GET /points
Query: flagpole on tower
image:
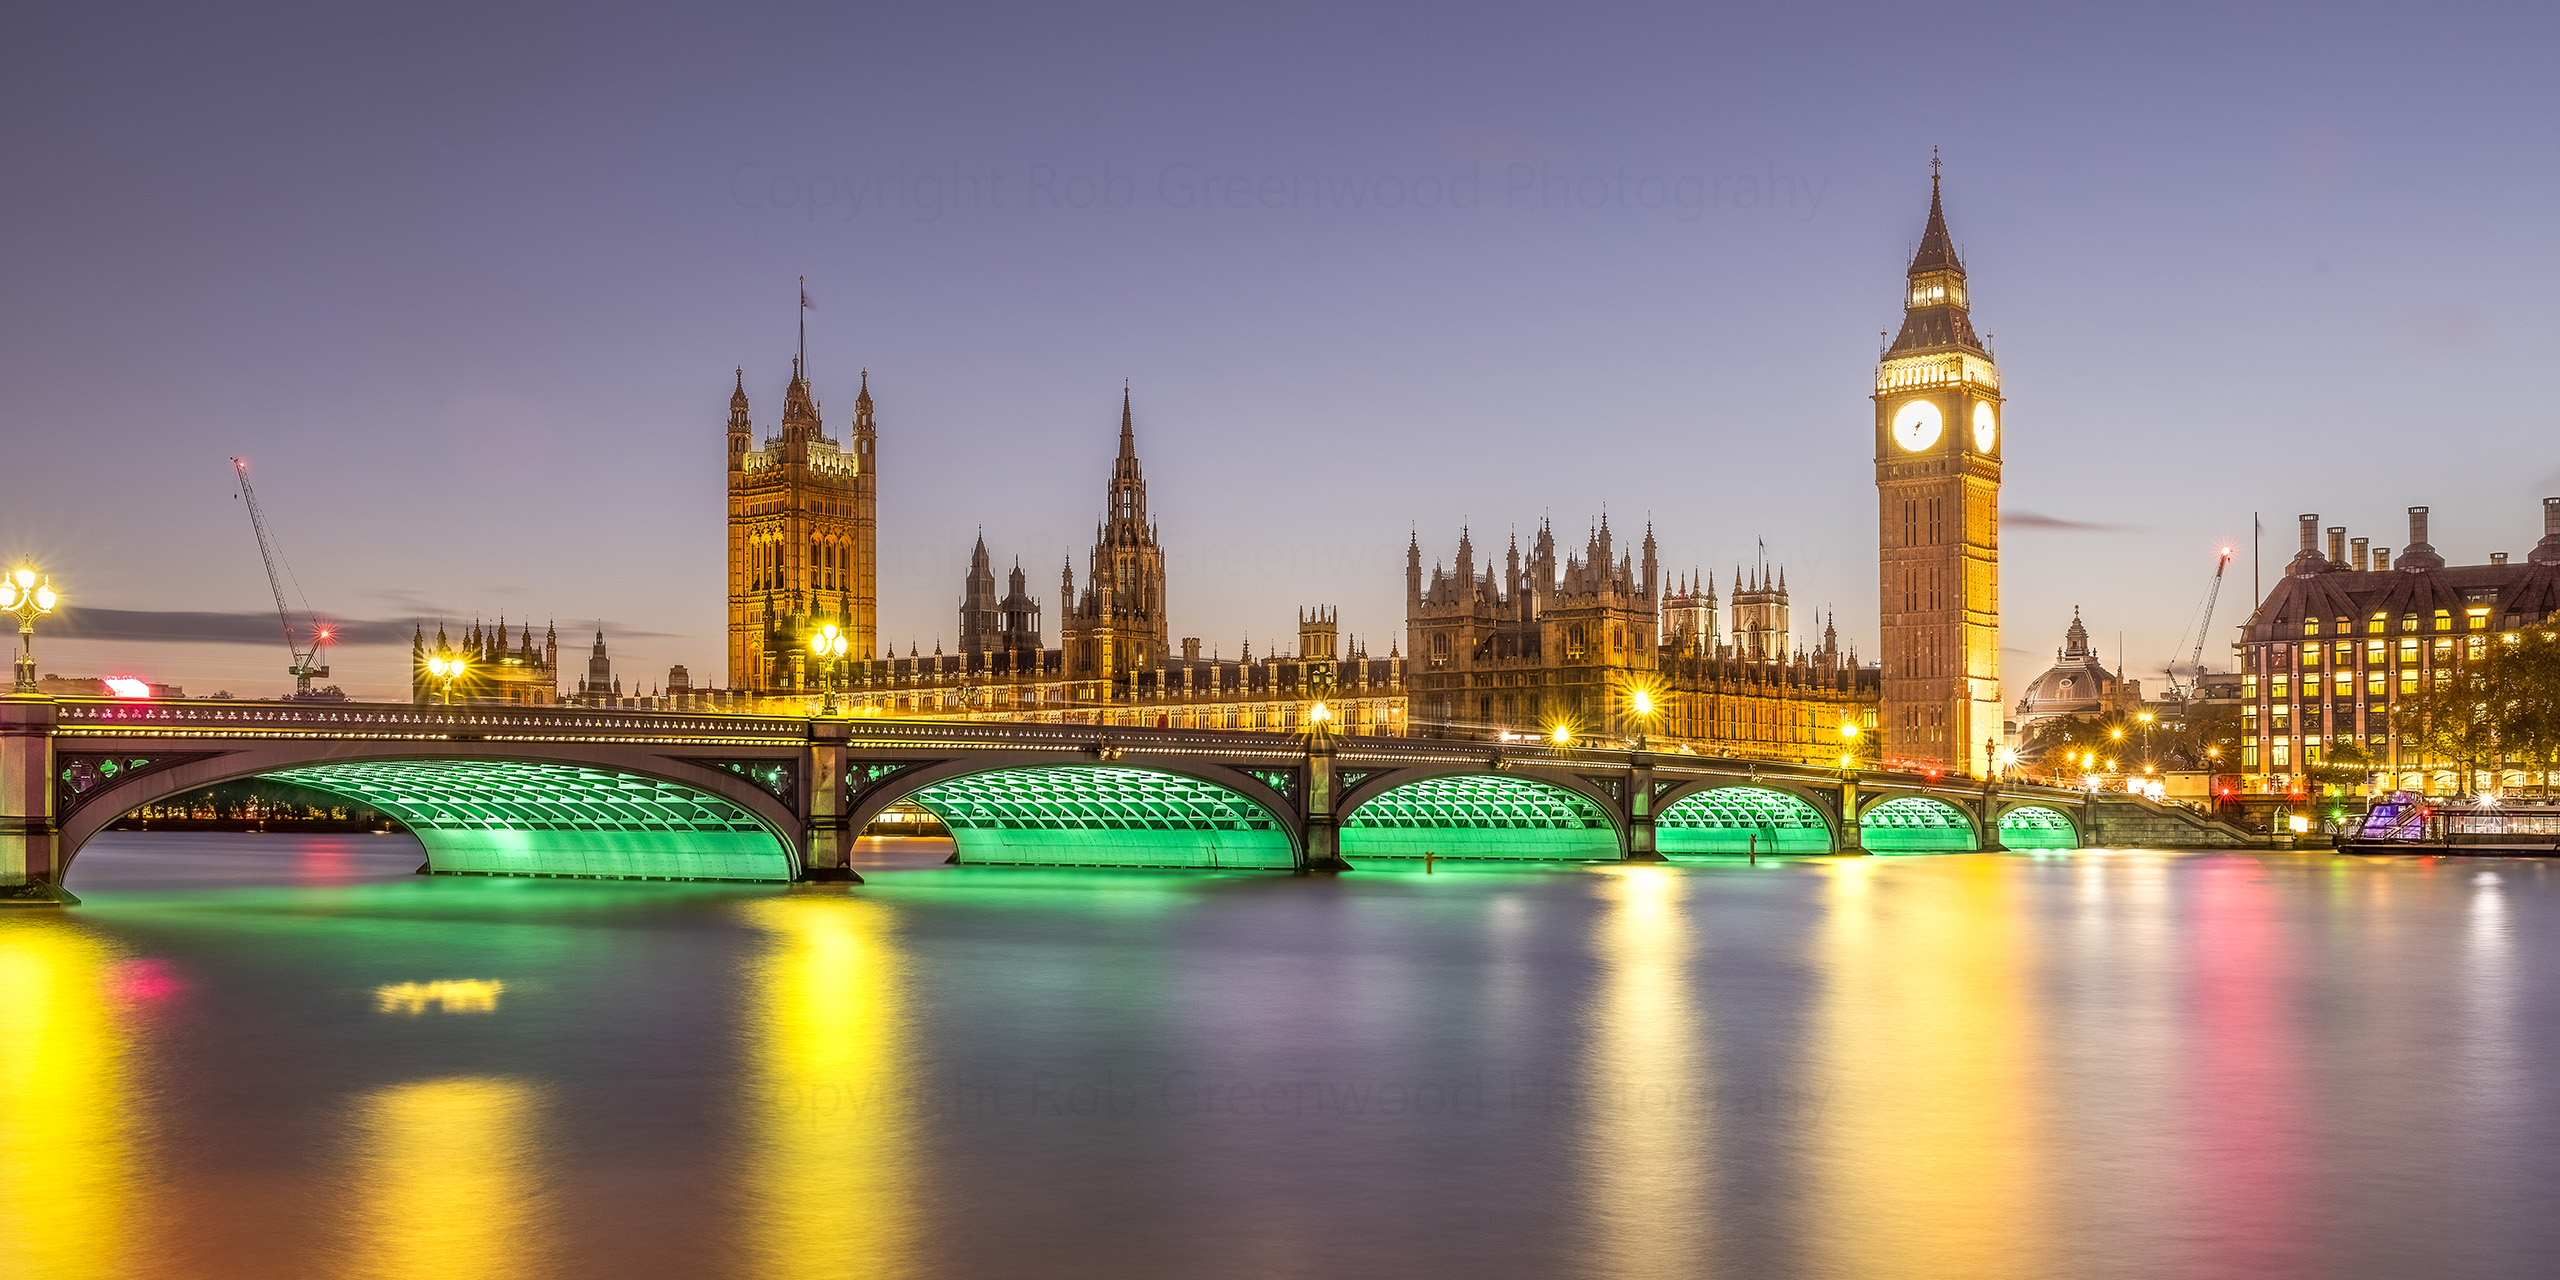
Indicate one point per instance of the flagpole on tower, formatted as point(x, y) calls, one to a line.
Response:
point(804, 326)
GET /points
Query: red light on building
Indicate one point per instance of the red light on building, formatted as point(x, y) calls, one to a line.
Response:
point(128, 687)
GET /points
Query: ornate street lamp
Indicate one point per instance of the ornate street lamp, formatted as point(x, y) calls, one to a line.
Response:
point(1641, 703)
point(447, 668)
point(829, 644)
point(1319, 723)
point(30, 596)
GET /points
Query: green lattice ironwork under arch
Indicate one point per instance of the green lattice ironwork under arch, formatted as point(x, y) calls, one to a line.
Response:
point(504, 817)
point(1915, 824)
point(1480, 816)
point(1741, 820)
point(2035, 826)
point(1098, 816)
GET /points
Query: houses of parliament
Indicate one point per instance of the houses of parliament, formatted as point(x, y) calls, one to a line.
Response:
point(1595, 643)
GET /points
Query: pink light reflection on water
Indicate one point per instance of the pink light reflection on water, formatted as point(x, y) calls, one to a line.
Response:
point(144, 981)
point(2249, 1170)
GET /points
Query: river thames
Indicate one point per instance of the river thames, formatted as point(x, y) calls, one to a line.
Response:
point(268, 1055)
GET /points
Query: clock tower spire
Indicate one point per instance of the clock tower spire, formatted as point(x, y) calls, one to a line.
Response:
point(1938, 439)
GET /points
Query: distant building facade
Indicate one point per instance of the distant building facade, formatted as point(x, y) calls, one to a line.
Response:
point(1539, 643)
point(2077, 685)
point(1115, 662)
point(598, 685)
point(2334, 646)
point(517, 671)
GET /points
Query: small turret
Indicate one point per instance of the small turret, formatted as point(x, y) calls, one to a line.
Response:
point(741, 429)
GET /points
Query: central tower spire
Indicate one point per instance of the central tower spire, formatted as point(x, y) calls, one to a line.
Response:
point(1119, 624)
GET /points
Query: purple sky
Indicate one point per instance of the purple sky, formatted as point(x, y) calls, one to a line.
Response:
point(467, 287)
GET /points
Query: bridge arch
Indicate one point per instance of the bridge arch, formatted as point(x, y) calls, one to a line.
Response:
point(1046, 812)
point(1736, 817)
point(1916, 824)
point(1476, 814)
point(597, 810)
point(2038, 826)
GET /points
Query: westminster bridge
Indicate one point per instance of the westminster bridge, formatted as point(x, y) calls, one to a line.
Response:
point(573, 791)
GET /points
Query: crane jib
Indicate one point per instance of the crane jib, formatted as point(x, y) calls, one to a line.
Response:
point(304, 660)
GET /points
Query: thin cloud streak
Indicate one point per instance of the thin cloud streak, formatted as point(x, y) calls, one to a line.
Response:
point(184, 627)
point(2038, 521)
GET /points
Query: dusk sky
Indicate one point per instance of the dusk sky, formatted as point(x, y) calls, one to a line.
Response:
point(467, 287)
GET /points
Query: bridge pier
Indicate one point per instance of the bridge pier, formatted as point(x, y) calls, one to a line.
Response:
point(1324, 831)
point(1639, 811)
point(30, 838)
point(827, 833)
point(1850, 841)
point(1988, 820)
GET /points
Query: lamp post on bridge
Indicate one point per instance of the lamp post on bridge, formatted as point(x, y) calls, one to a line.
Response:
point(447, 668)
point(1849, 836)
point(29, 596)
point(1991, 770)
point(829, 644)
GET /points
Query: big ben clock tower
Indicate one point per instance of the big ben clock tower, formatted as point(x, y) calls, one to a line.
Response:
point(1938, 413)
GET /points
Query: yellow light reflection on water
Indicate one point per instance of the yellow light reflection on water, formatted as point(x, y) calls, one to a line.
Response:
point(1924, 1144)
point(453, 995)
point(830, 1186)
point(1646, 1154)
point(449, 1181)
point(67, 1147)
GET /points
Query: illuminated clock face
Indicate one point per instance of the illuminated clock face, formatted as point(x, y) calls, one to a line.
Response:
point(1916, 425)
point(1986, 427)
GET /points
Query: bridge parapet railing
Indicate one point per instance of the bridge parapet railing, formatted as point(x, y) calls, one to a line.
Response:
point(209, 718)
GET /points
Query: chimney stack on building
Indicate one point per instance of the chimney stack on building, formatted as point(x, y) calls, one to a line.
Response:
point(2382, 559)
point(2338, 545)
point(2497, 557)
point(2420, 555)
point(2308, 561)
point(2548, 550)
point(2363, 555)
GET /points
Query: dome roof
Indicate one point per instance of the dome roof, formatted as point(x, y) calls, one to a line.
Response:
point(2077, 682)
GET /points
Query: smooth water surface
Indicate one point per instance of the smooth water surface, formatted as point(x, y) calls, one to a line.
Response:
point(261, 1056)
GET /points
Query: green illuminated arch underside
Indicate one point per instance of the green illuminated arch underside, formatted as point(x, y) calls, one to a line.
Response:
point(1741, 820)
point(1089, 815)
point(1915, 824)
point(502, 817)
point(2035, 826)
point(1479, 816)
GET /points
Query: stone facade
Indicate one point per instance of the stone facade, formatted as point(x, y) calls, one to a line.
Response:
point(803, 538)
point(2332, 648)
point(1579, 645)
point(519, 672)
point(1114, 663)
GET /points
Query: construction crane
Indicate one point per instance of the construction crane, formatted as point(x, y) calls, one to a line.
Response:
point(306, 662)
point(2204, 625)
